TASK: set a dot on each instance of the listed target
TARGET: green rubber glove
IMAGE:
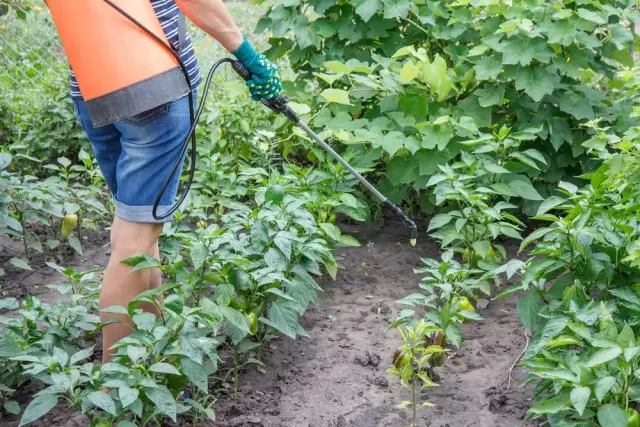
(265, 83)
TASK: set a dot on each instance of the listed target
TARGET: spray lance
(278, 104)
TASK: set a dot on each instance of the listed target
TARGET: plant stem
(413, 397)
(235, 374)
(24, 235)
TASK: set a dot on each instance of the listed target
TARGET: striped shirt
(167, 12)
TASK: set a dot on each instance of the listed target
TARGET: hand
(265, 81)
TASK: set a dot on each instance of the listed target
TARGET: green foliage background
(422, 76)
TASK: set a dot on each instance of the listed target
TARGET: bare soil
(337, 377)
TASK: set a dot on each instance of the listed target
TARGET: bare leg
(121, 285)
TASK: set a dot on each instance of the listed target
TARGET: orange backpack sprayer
(121, 71)
(124, 65)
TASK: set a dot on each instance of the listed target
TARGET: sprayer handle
(277, 103)
(241, 70)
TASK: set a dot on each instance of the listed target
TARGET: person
(136, 153)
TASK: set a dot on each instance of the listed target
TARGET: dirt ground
(337, 377)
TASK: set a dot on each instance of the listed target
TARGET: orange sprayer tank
(121, 70)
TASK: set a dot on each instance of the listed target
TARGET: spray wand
(279, 105)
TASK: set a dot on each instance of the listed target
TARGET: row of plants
(50, 214)
(582, 298)
(244, 271)
(581, 301)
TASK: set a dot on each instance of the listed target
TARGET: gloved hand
(265, 82)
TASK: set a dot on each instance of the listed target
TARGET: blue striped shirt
(167, 12)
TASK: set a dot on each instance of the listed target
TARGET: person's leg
(120, 284)
(151, 143)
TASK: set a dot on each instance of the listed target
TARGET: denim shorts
(136, 155)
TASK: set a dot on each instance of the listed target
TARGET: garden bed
(337, 376)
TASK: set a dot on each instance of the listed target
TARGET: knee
(133, 238)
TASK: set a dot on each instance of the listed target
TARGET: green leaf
(435, 74)
(611, 416)
(551, 406)
(488, 68)
(284, 244)
(591, 16)
(236, 318)
(517, 51)
(336, 96)
(164, 368)
(162, 398)
(141, 262)
(38, 407)
(144, 321)
(12, 407)
(199, 253)
(528, 308)
(196, 374)
(81, 355)
(127, 395)
(331, 230)
(537, 234)
(225, 292)
(482, 247)
(491, 95)
(103, 401)
(283, 317)
(535, 155)
(603, 385)
(603, 356)
(20, 263)
(536, 82)
(467, 126)
(525, 160)
(74, 242)
(408, 72)
(504, 189)
(136, 353)
(275, 259)
(347, 241)
(367, 9)
(525, 190)
(548, 204)
(274, 194)
(396, 9)
(439, 221)
(5, 160)
(580, 398)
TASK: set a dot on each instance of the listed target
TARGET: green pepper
(253, 323)
(633, 418)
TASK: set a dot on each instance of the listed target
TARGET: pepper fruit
(462, 303)
(633, 417)
(253, 323)
(68, 224)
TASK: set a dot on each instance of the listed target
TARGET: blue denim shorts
(136, 155)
